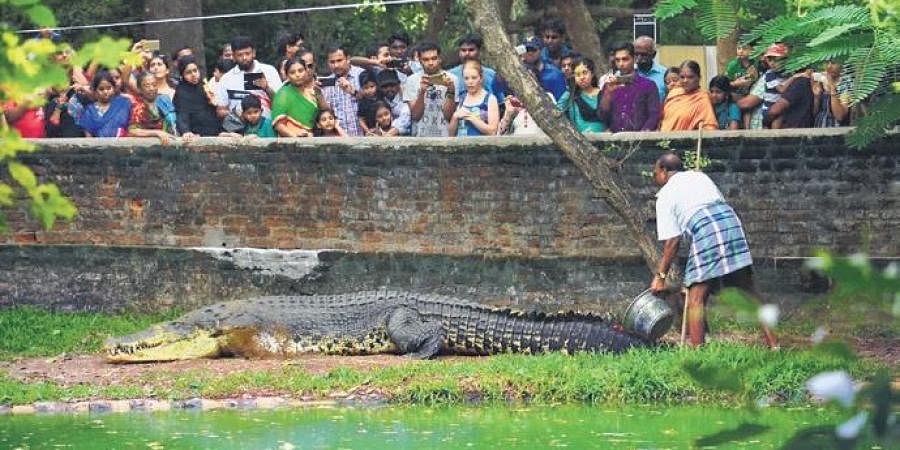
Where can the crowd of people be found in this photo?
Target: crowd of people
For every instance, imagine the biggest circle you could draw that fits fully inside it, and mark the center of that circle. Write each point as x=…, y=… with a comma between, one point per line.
x=400, y=89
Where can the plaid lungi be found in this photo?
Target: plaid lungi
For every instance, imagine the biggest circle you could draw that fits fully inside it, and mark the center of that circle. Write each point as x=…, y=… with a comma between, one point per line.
x=718, y=245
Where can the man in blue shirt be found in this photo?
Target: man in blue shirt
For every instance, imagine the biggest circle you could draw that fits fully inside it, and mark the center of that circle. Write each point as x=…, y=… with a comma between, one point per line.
x=551, y=78
x=470, y=48
x=644, y=52
x=553, y=33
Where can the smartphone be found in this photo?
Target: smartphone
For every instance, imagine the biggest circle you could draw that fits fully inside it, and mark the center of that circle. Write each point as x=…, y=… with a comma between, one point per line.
x=438, y=77
x=327, y=81
x=250, y=79
x=625, y=79
x=151, y=45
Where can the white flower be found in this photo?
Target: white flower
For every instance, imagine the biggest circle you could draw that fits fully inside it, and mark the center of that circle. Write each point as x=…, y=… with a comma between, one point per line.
x=837, y=386
x=851, y=428
x=768, y=315
x=859, y=260
x=819, y=335
x=892, y=270
x=817, y=263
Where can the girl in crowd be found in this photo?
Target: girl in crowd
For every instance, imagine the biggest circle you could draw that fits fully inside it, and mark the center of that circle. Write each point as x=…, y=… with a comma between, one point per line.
x=580, y=101
x=287, y=46
x=109, y=115
x=672, y=78
x=727, y=112
x=833, y=102
x=478, y=113
x=327, y=125
x=383, y=120
x=297, y=103
x=688, y=107
x=195, y=106
x=152, y=115
x=159, y=66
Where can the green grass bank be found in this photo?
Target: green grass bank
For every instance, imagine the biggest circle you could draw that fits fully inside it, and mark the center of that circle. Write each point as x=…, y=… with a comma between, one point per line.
x=640, y=376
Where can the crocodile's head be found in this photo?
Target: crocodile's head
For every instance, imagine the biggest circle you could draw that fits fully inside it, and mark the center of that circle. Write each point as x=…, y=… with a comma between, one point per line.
x=164, y=342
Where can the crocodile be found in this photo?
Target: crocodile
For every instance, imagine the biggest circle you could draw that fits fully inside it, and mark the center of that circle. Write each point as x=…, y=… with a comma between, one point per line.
x=411, y=324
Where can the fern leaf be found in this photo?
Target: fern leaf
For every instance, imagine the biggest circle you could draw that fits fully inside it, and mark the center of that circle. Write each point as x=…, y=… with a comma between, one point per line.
x=670, y=8
x=883, y=116
x=832, y=33
x=834, y=50
x=772, y=30
x=716, y=18
x=840, y=15
x=867, y=69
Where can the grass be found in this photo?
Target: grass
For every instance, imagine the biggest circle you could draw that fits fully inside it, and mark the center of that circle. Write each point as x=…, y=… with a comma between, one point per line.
x=639, y=377
x=28, y=331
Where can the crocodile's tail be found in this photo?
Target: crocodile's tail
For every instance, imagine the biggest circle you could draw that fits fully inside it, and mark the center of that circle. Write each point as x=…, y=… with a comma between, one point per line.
x=489, y=331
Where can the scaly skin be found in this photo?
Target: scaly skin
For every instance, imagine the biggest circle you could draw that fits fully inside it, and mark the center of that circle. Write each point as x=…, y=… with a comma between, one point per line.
x=417, y=325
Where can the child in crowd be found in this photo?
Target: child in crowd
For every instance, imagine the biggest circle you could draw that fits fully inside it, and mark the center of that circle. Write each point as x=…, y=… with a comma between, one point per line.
x=727, y=112
x=383, y=119
x=327, y=125
x=255, y=124
x=673, y=77
x=368, y=84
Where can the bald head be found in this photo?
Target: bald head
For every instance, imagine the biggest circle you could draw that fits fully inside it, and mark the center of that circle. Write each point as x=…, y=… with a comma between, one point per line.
x=644, y=52
x=670, y=162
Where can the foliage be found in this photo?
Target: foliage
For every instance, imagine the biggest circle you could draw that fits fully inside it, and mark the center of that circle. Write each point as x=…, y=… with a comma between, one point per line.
x=27, y=70
x=714, y=18
x=882, y=116
x=855, y=280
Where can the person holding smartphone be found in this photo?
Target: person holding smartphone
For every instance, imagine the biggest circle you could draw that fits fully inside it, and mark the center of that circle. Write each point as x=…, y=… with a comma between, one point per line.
x=430, y=94
x=629, y=102
x=247, y=77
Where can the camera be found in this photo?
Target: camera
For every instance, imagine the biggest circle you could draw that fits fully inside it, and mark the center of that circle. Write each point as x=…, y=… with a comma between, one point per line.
x=327, y=81
x=397, y=63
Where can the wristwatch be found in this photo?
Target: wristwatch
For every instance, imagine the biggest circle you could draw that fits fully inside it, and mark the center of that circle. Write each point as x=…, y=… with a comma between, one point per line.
x=661, y=275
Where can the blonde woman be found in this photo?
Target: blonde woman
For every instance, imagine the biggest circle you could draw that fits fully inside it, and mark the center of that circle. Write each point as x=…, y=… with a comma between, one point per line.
x=478, y=113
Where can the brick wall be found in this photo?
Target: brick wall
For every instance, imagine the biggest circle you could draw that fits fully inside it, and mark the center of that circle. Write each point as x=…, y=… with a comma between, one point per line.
x=794, y=191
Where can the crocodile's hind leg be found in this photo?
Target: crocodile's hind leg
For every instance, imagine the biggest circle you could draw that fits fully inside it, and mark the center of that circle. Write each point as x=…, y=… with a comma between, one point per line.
x=414, y=337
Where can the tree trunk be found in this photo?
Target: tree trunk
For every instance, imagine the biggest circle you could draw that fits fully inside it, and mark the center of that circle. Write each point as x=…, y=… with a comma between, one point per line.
x=726, y=50
x=438, y=19
x=581, y=31
x=596, y=167
x=174, y=35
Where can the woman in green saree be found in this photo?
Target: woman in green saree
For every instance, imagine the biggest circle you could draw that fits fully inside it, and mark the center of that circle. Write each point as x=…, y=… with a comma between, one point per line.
x=297, y=103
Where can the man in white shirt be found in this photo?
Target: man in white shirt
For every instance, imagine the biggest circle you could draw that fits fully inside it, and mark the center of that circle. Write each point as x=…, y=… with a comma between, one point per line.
x=430, y=94
x=690, y=204
x=235, y=85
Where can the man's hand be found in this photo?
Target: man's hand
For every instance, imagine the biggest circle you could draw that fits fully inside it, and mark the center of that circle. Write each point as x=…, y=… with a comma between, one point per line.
x=262, y=83
x=345, y=85
x=657, y=285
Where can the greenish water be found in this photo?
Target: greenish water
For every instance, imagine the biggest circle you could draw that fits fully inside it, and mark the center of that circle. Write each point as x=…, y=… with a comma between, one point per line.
x=416, y=427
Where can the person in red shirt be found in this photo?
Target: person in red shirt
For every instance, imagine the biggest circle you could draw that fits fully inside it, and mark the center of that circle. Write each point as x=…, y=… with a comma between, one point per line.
x=29, y=121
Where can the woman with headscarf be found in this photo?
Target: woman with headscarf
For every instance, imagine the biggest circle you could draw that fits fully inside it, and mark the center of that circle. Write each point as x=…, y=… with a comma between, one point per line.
x=195, y=109
x=687, y=107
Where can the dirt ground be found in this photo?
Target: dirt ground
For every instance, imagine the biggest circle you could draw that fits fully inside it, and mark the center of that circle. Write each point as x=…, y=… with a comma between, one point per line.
x=68, y=370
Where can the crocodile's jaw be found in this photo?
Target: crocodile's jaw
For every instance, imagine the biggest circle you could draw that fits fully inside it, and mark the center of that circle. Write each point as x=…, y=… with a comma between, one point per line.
x=160, y=344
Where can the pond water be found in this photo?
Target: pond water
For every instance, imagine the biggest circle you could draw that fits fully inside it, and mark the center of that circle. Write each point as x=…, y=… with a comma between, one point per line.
x=395, y=428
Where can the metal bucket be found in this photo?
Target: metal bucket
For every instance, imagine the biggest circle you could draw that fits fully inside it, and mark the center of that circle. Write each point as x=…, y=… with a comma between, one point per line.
x=648, y=316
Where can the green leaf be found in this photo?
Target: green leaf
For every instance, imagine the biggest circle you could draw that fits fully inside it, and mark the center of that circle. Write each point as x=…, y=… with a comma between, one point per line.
x=23, y=3
x=22, y=174
x=714, y=376
x=744, y=306
x=106, y=51
x=12, y=143
x=883, y=116
x=743, y=432
x=832, y=33
x=48, y=204
x=6, y=195
x=41, y=16
x=666, y=9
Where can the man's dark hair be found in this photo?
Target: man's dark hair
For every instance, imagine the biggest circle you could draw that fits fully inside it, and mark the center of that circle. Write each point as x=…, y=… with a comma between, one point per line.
x=551, y=24
x=176, y=52
x=722, y=82
x=335, y=48
x=240, y=43
x=670, y=162
x=286, y=39
x=428, y=46
x=399, y=36
x=372, y=50
x=224, y=65
x=627, y=46
x=250, y=101
x=471, y=39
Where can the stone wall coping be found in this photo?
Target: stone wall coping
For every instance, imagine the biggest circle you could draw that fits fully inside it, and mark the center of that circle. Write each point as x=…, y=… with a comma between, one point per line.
x=451, y=144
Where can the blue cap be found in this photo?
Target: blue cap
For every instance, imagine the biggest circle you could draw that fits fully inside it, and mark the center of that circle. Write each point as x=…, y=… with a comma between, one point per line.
x=532, y=43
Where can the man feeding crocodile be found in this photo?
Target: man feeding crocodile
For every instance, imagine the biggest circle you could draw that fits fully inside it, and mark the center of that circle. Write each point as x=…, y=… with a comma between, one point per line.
x=689, y=203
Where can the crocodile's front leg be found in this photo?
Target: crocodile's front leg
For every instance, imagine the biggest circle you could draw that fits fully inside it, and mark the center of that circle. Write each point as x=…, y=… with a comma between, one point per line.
x=414, y=337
